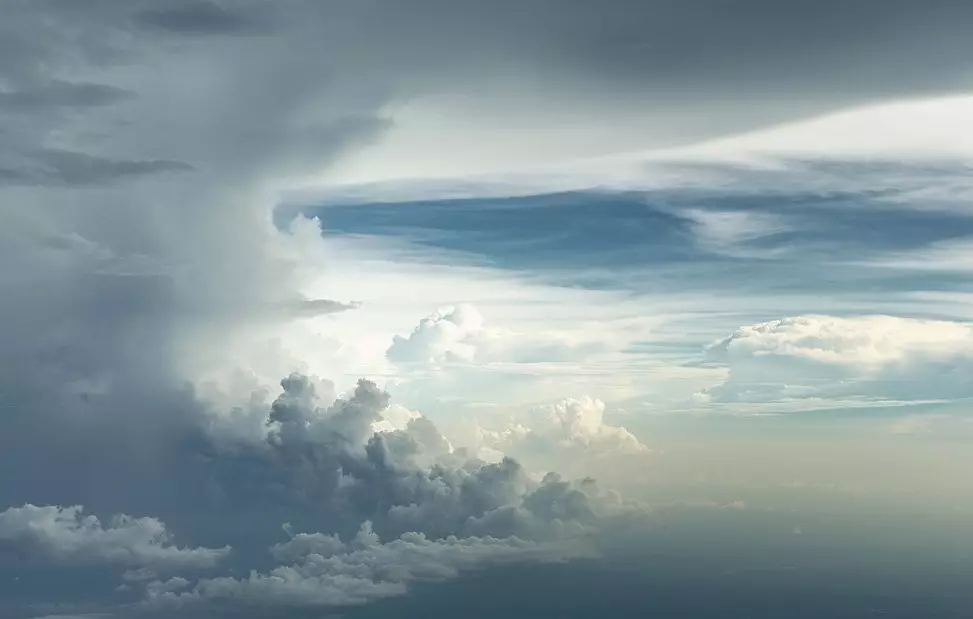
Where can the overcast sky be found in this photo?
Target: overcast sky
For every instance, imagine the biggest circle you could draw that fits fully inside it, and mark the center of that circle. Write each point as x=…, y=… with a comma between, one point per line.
x=311, y=308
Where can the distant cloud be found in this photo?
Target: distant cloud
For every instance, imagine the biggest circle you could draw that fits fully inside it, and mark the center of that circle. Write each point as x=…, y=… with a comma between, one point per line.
x=318, y=307
x=69, y=168
x=459, y=334
x=878, y=356
x=145, y=147
x=329, y=573
x=199, y=18
x=443, y=336
x=569, y=431
x=864, y=342
x=60, y=94
x=442, y=511
x=65, y=535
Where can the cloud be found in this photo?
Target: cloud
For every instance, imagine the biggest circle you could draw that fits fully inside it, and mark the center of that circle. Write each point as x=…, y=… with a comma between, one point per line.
x=329, y=462
x=733, y=233
x=866, y=342
x=458, y=334
x=571, y=435
x=442, y=336
x=60, y=94
x=318, y=307
x=581, y=423
x=876, y=356
x=442, y=511
x=200, y=18
x=67, y=168
x=908, y=426
x=145, y=147
x=319, y=459
x=65, y=535
x=329, y=573
x=924, y=132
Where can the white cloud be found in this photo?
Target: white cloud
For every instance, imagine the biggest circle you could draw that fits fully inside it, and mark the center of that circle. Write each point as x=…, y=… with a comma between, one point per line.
x=952, y=256
x=443, y=336
x=67, y=535
x=912, y=128
x=878, y=356
x=571, y=435
x=866, y=342
x=459, y=334
x=728, y=232
x=581, y=423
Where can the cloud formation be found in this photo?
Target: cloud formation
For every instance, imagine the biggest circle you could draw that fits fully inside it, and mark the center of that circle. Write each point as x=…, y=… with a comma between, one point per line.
x=66, y=535
x=817, y=356
x=324, y=572
x=568, y=431
x=458, y=334
x=442, y=511
x=145, y=147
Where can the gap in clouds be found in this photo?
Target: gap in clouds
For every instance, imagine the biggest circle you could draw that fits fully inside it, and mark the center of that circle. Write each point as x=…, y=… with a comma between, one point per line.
x=696, y=238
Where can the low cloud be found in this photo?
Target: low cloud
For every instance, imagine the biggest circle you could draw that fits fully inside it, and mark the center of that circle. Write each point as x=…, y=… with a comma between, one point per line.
x=401, y=504
x=66, y=535
x=404, y=505
x=325, y=572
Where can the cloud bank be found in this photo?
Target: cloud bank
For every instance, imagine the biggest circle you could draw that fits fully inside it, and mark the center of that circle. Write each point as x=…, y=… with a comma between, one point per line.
x=878, y=357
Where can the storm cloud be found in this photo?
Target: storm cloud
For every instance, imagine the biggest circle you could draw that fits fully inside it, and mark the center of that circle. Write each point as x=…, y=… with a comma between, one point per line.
x=145, y=146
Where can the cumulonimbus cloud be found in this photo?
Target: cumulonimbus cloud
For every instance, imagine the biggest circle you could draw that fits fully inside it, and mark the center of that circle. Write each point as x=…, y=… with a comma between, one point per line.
x=424, y=511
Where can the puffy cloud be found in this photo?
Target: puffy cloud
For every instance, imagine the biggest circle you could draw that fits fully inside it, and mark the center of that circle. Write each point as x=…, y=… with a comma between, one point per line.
x=569, y=435
x=581, y=423
x=459, y=334
x=445, y=335
x=402, y=506
x=67, y=535
x=820, y=357
x=865, y=342
x=330, y=462
x=145, y=145
x=441, y=511
x=325, y=572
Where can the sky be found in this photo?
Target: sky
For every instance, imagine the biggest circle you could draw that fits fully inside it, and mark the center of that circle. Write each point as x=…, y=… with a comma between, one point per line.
x=320, y=308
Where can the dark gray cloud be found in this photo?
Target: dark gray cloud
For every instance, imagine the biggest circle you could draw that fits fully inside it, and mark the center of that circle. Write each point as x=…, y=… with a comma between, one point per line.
x=68, y=535
x=403, y=507
x=201, y=18
x=62, y=167
x=58, y=94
